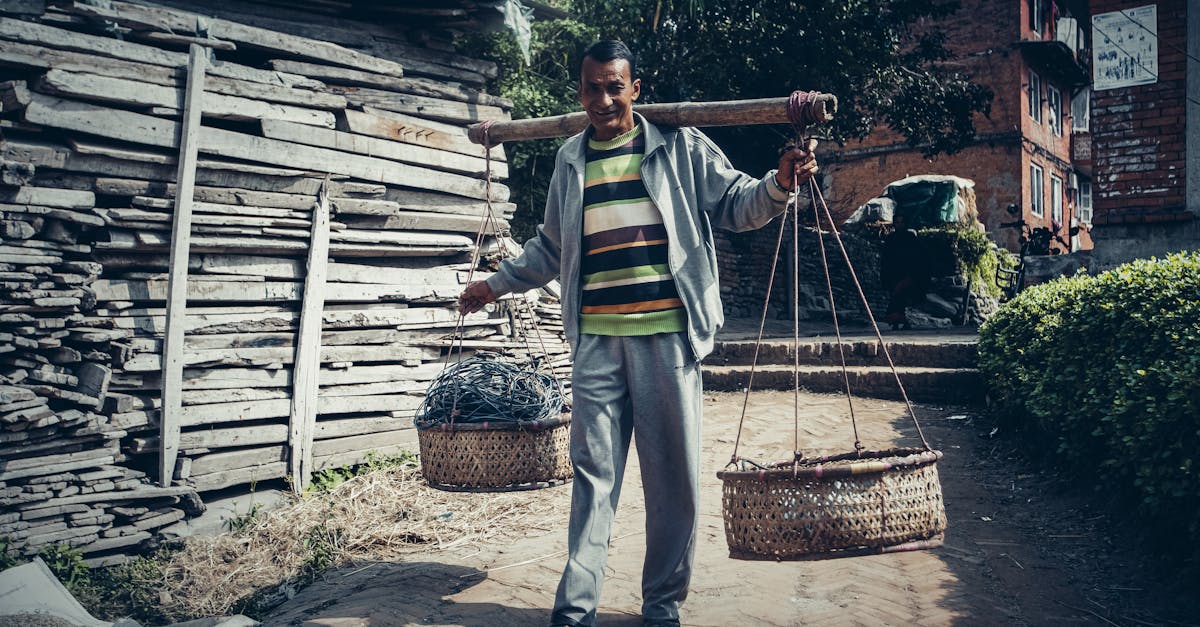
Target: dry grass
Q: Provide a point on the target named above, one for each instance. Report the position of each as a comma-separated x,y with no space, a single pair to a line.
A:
382,515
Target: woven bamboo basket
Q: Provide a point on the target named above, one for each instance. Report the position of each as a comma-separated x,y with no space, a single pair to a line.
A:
842,505
491,457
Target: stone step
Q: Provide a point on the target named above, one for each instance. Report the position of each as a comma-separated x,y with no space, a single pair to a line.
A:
929,385
958,354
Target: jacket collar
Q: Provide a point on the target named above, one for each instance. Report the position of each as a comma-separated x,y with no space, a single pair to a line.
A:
576,153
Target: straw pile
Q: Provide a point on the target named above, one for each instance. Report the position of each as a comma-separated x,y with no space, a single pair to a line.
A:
382,515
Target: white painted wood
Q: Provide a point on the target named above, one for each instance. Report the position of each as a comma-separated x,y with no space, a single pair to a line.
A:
177,285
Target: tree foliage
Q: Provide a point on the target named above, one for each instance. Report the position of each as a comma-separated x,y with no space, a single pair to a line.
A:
876,55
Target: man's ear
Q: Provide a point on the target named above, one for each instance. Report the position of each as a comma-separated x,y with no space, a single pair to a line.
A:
637,88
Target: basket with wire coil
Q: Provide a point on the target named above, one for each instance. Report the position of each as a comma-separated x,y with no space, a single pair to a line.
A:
489,425
847,504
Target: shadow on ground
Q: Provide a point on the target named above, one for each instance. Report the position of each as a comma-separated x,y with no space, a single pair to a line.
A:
385,594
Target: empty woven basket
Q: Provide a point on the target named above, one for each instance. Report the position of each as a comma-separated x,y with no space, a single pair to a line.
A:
841,505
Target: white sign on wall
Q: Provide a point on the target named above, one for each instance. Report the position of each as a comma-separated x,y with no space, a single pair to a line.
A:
1125,48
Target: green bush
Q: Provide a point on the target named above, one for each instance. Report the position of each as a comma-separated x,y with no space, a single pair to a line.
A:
1103,373
963,250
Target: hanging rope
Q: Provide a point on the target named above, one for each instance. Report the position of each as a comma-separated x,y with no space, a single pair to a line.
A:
802,114
464,378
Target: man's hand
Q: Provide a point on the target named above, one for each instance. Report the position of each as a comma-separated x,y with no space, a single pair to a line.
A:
472,299
798,162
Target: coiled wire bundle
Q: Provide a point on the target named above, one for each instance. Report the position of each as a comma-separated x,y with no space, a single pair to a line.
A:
488,425
482,389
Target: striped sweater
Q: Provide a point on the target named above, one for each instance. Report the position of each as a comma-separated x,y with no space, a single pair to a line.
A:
627,284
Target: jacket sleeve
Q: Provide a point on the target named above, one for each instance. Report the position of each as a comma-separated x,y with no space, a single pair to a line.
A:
734,200
539,262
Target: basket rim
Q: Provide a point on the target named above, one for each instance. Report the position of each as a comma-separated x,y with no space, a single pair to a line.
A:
868,462
500,425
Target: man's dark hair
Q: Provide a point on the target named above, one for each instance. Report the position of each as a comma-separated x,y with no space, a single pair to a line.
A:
609,50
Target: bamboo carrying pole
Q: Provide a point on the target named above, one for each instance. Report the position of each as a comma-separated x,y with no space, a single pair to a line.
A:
721,113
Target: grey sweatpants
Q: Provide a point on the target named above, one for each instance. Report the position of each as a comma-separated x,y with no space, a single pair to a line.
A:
649,387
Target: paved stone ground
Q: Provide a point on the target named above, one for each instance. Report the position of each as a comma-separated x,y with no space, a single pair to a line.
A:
993,569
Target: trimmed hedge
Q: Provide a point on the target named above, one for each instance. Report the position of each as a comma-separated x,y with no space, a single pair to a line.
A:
1103,372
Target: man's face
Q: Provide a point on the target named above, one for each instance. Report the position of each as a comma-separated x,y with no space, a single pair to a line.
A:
607,91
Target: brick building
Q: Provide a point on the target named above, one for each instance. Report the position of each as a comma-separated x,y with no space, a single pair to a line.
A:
1033,54
1146,117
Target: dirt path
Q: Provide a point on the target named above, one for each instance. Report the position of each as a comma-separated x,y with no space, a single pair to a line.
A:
1003,562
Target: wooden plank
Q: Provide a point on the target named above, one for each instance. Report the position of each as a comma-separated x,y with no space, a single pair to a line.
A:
14,95
422,106
725,113
170,20
411,130
121,91
48,197
235,412
144,129
199,290
422,87
307,369
283,85
272,356
152,178
177,285
415,220
41,35
377,147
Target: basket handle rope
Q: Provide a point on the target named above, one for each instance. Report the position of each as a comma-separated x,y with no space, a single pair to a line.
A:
490,225
799,113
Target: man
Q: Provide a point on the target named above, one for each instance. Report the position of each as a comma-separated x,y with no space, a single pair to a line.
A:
628,231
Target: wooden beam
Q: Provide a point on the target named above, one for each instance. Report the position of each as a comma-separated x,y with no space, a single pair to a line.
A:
725,113
172,363
307,366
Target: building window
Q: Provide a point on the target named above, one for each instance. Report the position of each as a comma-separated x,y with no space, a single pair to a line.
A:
1036,200
1056,199
1054,104
1083,202
1035,16
1081,111
1035,97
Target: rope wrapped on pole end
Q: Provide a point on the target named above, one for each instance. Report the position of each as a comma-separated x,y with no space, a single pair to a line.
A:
478,133
805,108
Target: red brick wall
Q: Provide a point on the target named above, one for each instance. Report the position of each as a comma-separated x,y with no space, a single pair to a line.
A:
982,35
1138,140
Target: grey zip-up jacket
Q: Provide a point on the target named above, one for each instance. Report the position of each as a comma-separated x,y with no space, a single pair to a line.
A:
695,188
